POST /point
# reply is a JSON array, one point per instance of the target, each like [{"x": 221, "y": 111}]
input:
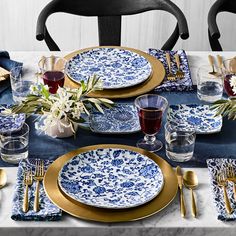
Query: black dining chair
[
  {"x": 213, "y": 30},
  {"x": 109, "y": 14}
]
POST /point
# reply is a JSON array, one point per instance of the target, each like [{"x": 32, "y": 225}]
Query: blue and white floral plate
[
  {"x": 120, "y": 119},
  {"x": 10, "y": 123},
  {"x": 118, "y": 68},
  {"x": 200, "y": 116},
  {"x": 111, "y": 178}
]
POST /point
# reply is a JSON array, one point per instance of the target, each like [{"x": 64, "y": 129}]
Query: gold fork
[
  {"x": 38, "y": 177},
  {"x": 222, "y": 182},
  {"x": 28, "y": 181},
  {"x": 179, "y": 74},
  {"x": 231, "y": 177},
  {"x": 170, "y": 76}
]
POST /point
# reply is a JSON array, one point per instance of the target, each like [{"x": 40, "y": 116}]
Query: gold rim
[
  {"x": 155, "y": 79},
  {"x": 86, "y": 212}
]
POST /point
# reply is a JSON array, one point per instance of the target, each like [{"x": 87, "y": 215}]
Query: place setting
[{"x": 113, "y": 182}]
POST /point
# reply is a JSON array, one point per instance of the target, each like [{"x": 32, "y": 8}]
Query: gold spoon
[
  {"x": 211, "y": 61},
  {"x": 191, "y": 182},
  {"x": 3, "y": 178}
]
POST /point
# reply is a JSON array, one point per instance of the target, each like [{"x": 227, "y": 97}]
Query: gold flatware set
[
  {"x": 223, "y": 178},
  {"x": 190, "y": 181},
  {"x": 219, "y": 65},
  {"x": 179, "y": 74},
  {"x": 29, "y": 178}
]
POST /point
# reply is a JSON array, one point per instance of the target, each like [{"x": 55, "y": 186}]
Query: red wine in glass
[
  {"x": 150, "y": 120},
  {"x": 54, "y": 79},
  {"x": 227, "y": 86}
]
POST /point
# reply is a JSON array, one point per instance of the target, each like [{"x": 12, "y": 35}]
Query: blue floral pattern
[
  {"x": 120, "y": 119},
  {"x": 184, "y": 84},
  {"x": 215, "y": 167},
  {"x": 118, "y": 68},
  {"x": 10, "y": 123},
  {"x": 117, "y": 178},
  {"x": 200, "y": 116},
  {"x": 48, "y": 211}
]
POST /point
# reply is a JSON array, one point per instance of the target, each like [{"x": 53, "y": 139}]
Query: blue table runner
[{"x": 220, "y": 145}]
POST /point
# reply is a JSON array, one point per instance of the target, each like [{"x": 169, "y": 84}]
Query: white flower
[
  {"x": 232, "y": 82},
  {"x": 234, "y": 89},
  {"x": 64, "y": 108}
]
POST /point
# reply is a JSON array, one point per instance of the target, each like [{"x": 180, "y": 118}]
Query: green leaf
[
  {"x": 45, "y": 92},
  {"x": 99, "y": 108},
  {"x": 93, "y": 100},
  {"x": 86, "y": 111},
  {"x": 105, "y": 100},
  {"x": 83, "y": 86}
]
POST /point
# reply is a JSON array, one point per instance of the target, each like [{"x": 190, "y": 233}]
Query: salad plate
[
  {"x": 117, "y": 68},
  {"x": 10, "y": 123},
  {"x": 120, "y": 119},
  {"x": 201, "y": 117},
  {"x": 111, "y": 178}
]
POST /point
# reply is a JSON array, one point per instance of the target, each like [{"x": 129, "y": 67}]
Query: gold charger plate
[
  {"x": 86, "y": 212},
  {"x": 155, "y": 79}
]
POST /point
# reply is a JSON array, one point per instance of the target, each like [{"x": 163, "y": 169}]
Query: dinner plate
[
  {"x": 117, "y": 68},
  {"x": 201, "y": 117},
  {"x": 156, "y": 77},
  {"x": 120, "y": 119},
  {"x": 10, "y": 123},
  {"x": 111, "y": 178},
  {"x": 86, "y": 212}
]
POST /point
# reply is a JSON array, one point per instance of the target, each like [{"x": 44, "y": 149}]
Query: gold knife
[{"x": 180, "y": 183}]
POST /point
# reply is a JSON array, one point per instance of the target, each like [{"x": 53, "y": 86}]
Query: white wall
[{"x": 18, "y": 26}]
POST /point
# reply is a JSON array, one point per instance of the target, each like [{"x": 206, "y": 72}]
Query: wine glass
[
  {"x": 150, "y": 110},
  {"x": 53, "y": 71}
]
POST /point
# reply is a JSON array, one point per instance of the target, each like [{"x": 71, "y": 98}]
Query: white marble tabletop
[{"x": 167, "y": 222}]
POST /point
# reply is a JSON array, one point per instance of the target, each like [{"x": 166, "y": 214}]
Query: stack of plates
[
  {"x": 125, "y": 72},
  {"x": 94, "y": 182},
  {"x": 11, "y": 122}
]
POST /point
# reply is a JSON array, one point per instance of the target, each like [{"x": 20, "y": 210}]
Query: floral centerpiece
[{"x": 61, "y": 112}]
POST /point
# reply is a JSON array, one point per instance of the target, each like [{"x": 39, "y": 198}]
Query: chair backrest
[
  {"x": 109, "y": 17},
  {"x": 213, "y": 30}
]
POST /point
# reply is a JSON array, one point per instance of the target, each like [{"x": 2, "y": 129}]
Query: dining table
[{"x": 166, "y": 222}]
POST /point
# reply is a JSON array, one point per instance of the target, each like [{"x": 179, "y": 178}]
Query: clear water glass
[
  {"x": 20, "y": 84},
  {"x": 180, "y": 142},
  {"x": 209, "y": 87},
  {"x": 14, "y": 145}
]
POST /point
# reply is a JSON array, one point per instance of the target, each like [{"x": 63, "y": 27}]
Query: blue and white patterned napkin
[
  {"x": 216, "y": 166},
  {"x": 184, "y": 84},
  {"x": 48, "y": 211}
]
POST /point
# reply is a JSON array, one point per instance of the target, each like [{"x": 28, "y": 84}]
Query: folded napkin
[
  {"x": 216, "y": 166},
  {"x": 8, "y": 64},
  {"x": 48, "y": 211},
  {"x": 184, "y": 84}
]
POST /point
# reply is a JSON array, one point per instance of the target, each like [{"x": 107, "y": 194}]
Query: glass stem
[{"x": 150, "y": 139}]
